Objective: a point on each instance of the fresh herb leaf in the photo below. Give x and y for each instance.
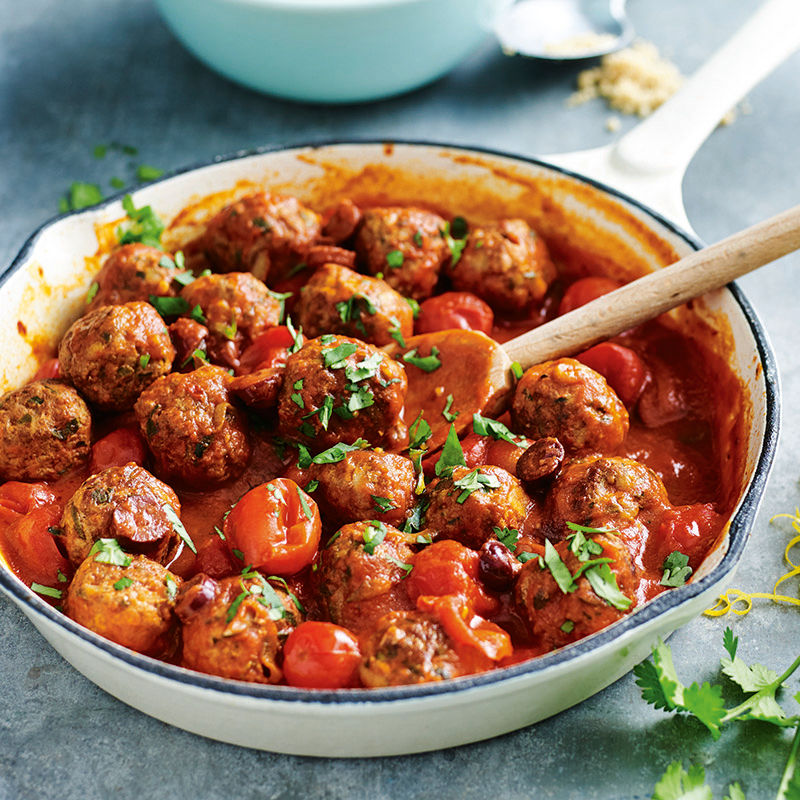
(178, 526)
(374, 533)
(568, 626)
(446, 410)
(172, 587)
(336, 453)
(84, 195)
(145, 225)
(428, 363)
(292, 595)
(677, 784)
(144, 172)
(419, 433)
(395, 259)
(144, 360)
(311, 486)
(93, 290)
(676, 569)
(108, 551)
(485, 426)
(558, 569)
(455, 244)
(423, 538)
(414, 306)
(169, 306)
(473, 481)
(297, 336)
(325, 411)
(382, 504)
(730, 642)
(47, 591)
(304, 504)
(405, 567)
(197, 315)
(335, 357)
(516, 369)
(507, 536)
(363, 398)
(604, 583)
(368, 368)
(123, 583)
(418, 239)
(452, 455)
(238, 553)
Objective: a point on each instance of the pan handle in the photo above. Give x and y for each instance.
(668, 139)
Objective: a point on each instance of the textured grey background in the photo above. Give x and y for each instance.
(74, 74)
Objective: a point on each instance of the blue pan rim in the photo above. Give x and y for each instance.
(738, 531)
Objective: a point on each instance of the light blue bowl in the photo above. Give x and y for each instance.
(331, 51)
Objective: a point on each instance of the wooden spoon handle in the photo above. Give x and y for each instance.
(647, 297)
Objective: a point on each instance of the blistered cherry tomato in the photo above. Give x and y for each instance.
(454, 310)
(18, 498)
(32, 548)
(623, 370)
(276, 526)
(121, 446)
(688, 529)
(321, 655)
(585, 290)
(48, 369)
(270, 349)
(448, 567)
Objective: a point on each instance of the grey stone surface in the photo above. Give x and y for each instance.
(88, 71)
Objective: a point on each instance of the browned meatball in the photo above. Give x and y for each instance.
(472, 502)
(338, 300)
(45, 429)
(132, 605)
(237, 307)
(127, 504)
(262, 233)
(571, 402)
(361, 571)
(409, 647)
(557, 618)
(235, 627)
(367, 484)
(337, 389)
(614, 493)
(405, 245)
(115, 352)
(134, 272)
(195, 433)
(505, 264)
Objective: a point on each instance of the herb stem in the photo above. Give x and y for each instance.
(791, 763)
(774, 686)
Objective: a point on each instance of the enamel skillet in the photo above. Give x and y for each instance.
(44, 291)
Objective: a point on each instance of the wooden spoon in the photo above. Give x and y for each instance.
(476, 371)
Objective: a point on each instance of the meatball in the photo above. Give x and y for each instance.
(237, 307)
(409, 647)
(132, 605)
(571, 402)
(127, 504)
(618, 494)
(366, 484)
(195, 433)
(406, 246)
(506, 264)
(45, 428)
(337, 389)
(471, 503)
(115, 352)
(361, 571)
(338, 300)
(134, 272)
(235, 627)
(262, 233)
(557, 618)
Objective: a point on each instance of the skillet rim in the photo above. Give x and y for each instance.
(738, 532)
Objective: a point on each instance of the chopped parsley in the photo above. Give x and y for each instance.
(144, 360)
(472, 482)
(418, 239)
(485, 426)
(145, 225)
(172, 587)
(259, 590)
(419, 433)
(178, 526)
(296, 397)
(507, 536)
(455, 236)
(446, 411)
(414, 306)
(382, 504)
(311, 486)
(425, 363)
(423, 538)
(676, 569)
(93, 290)
(184, 278)
(405, 567)
(363, 398)
(558, 569)
(568, 626)
(65, 431)
(330, 456)
(353, 310)
(304, 504)
(395, 259)
(80, 195)
(516, 369)
(281, 297)
(452, 455)
(108, 551)
(292, 595)
(297, 336)
(123, 583)
(368, 368)
(144, 172)
(47, 591)
(197, 315)
(335, 357)
(604, 583)
(169, 306)
(374, 533)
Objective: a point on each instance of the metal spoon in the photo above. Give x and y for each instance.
(564, 30)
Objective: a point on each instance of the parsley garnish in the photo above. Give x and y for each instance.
(452, 455)
(229, 331)
(172, 587)
(292, 595)
(516, 368)
(446, 411)
(352, 310)
(47, 591)
(419, 433)
(93, 290)
(123, 583)
(297, 336)
(145, 225)
(335, 357)
(414, 306)
(363, 398)
(558, 569)
(425, 363)
(304, 504)
(568, 626)
(676, 569)
(507, 536)
(455, 236)
(261, 591)
(178, 527)
(296, 397)
(144, 360)
(424, 538)
(330, 456)
(405, 567)
(604, 583)
(373, 535)
(169, 306)
(382, 504)
(485, 426)
(108, 551)
(197, 315)
(472, 482)
(418, 239)
(81, 195)
(395, 259)
(281, 297)
(144, 172)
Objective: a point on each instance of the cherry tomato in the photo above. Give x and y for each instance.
(32, 547)
(662, 400)
(120, 447)
(215, 560)
(454, 310)
(276, 526)
(18, 498)
(585, 290)
(689, 529)
(48, 369)
(623, 370)
(448, 567)
(321, 655)
(466, 629)
(270, 349)
(504, 454)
